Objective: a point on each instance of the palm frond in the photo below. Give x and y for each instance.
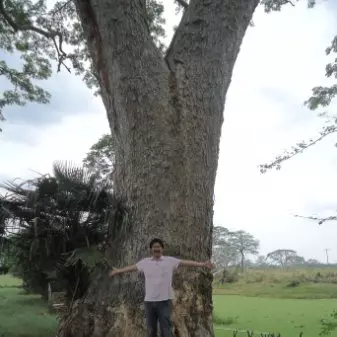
(78, 185)
(89, 256)
(61, 219)
(71, 177)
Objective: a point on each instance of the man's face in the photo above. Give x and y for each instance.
(157, 250)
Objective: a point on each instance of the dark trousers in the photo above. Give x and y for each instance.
(158, 312)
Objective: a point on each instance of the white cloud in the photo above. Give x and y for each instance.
(281, 59)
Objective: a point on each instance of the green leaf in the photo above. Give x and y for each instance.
(89, 256)
(28, 30)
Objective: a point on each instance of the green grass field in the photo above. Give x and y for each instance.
(262, 301)
(23, 315)
(288, 317)
(303, 291)
(257, 306)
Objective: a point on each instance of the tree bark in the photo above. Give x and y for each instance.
(242, 261)
(166, 114)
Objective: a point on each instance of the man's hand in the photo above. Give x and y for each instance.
(208, 265)
(114, 272)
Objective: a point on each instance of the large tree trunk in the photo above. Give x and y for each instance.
(242, 261)
(166, 114)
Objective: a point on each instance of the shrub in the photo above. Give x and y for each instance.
(293, 284)
(224, 321)
(229, 276)
(62, 221)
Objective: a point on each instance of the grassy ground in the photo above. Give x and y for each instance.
(262, 301)
(310, 283)
(288, 317)
(23, 315)
(302, 291)
(259, 303)
(273, 276)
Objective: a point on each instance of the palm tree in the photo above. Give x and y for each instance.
(57, 225)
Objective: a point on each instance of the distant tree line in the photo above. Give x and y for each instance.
(231, 248)
(236, 249)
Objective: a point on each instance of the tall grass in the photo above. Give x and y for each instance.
(273, 275)
(278, 275)
(299, 283)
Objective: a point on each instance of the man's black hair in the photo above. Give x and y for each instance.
(156, 240)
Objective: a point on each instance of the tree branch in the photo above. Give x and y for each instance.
(182, 3)
(134, 21)
(276, 5)
(123, 55)
(320, 220)
(58, 10)
(299, 148)
(49, 34)
(17, 27)
(210, 31)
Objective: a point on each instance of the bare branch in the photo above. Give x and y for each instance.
(299, 148)
(182, 3)
(320, 220)
(61, 54)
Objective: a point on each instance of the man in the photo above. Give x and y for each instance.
(158, 270)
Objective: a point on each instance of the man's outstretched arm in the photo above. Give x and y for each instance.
(196, 264)
(127, 269)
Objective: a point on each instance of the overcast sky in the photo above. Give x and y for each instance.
(281, 59)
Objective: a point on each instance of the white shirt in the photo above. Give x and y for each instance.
(158, 277)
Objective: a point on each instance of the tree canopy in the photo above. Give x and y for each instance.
(245, 243)
(284, 257)
(230, 248)
(224, 253)
(101, 158)
(42, 38)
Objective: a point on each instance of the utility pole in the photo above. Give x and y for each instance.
(327, 255)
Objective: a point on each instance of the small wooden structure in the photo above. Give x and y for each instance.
(56, 300)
